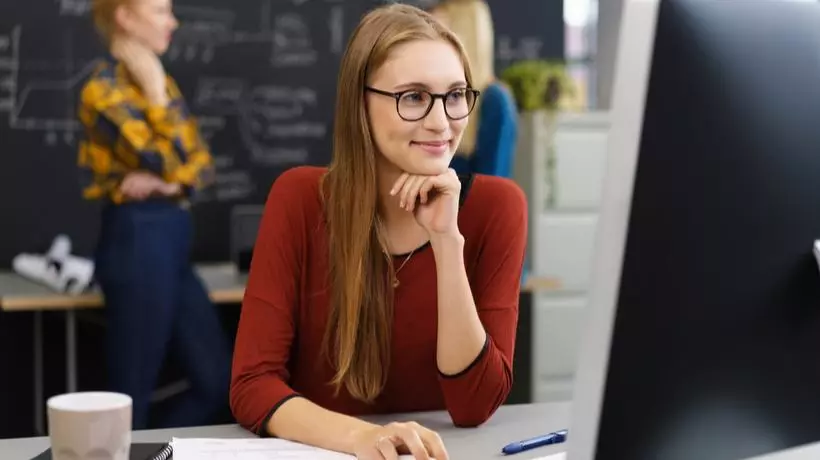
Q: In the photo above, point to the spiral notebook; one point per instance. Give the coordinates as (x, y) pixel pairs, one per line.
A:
(139, 451)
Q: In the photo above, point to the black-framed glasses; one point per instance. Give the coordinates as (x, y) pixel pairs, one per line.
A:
(415, 104)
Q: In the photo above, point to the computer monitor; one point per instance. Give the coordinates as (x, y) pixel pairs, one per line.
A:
(703, 332)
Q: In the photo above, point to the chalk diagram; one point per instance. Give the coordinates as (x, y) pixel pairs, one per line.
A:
(270, 117)
(9, 49)
(203, 31)
(74, 7)
(20, 101)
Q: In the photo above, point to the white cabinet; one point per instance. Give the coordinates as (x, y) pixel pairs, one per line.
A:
(557, 326)
(580, 163)
(564, 250)
(562, 247)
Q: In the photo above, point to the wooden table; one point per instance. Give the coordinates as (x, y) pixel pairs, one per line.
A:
(224, 282)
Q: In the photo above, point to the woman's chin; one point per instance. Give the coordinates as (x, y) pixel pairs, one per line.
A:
(160, 50)
(431, 167)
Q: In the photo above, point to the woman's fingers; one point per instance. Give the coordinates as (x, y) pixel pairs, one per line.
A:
(424, 191)
(387, 448)
(399, 183)
(387, 442)
(410, 192)
(415, 193)
(411, 187)
(410, 438)
(433, 442)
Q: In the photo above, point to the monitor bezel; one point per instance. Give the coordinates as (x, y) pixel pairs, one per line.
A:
(632, 69)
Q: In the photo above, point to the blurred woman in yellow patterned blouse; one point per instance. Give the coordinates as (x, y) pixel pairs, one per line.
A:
(144, 157)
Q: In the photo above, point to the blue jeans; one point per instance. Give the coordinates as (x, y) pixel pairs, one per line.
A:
(155, 303)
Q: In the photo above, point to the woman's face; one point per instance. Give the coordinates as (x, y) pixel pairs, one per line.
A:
(150, 22)
(407, 138)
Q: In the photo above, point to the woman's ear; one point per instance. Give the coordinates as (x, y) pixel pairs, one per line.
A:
(123, 18)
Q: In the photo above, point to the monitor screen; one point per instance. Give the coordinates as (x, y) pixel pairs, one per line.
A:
(704, 318)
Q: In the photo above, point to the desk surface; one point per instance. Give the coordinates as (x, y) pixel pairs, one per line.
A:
(510, 423)
(224, 282)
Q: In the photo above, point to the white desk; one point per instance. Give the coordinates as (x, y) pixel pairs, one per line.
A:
(510, 423)
(807, 452)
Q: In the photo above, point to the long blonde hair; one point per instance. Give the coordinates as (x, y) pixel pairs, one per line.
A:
(358, 332)
(472, 22)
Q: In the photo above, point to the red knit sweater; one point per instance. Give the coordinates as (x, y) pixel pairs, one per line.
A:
(278, 353)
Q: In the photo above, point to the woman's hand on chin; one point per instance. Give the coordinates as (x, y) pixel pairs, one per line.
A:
(433, 200)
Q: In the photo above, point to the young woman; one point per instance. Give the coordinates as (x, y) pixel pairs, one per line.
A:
(144, 157)
(488, 145)
(385, 283)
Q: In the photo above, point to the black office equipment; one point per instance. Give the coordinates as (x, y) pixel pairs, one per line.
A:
(245, 222)
(711, 208)
(139, 451)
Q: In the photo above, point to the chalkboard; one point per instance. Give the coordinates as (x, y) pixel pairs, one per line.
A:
(259, 74)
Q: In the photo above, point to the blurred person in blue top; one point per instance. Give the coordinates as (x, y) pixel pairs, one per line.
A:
(488, 144)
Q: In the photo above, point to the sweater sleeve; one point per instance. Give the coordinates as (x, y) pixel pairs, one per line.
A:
(474, 394)
(267, 324)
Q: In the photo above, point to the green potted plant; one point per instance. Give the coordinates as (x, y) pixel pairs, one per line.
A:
(541, 89)
(540, 85)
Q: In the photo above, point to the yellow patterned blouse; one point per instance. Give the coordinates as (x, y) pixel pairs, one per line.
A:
(124, 133)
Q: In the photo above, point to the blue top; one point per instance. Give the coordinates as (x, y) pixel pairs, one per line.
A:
(497, 135)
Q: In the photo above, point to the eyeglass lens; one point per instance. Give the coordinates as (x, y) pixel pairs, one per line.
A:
(414, 105)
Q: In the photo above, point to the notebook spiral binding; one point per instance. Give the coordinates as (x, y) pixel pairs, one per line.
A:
(165, 453)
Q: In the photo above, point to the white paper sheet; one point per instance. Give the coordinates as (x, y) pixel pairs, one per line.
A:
(251, 449)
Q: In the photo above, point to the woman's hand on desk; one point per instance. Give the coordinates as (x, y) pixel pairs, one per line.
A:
(387, 442)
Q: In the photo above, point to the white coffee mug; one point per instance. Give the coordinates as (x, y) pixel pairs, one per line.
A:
(90, 426)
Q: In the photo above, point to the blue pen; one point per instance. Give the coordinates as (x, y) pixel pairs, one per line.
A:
(555, 437)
